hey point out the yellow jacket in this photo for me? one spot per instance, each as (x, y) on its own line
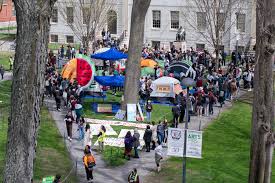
(101, 138)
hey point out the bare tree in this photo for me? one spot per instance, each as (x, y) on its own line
(131, 89)
(27, 86)
(262, 134)
(212, 20)
(89, 17)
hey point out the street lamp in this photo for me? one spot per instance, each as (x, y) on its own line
(188, 82)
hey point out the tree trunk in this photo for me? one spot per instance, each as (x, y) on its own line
(27, 87)
(131, 88)
(262, 143)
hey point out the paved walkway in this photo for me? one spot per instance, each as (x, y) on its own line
(102, 173)
(7, 76)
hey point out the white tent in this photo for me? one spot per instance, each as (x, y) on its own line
(164, 87)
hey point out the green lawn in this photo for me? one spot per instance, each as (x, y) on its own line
(7, 36)
(4, 59)
(52, 156)
(8, 28)
(226, 150)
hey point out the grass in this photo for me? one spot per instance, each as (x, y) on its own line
(7, 36)
(51, 157)
(226, 149)
(8, 28)
(4, 59)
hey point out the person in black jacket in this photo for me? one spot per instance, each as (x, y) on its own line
(176, 113)
(147, 138)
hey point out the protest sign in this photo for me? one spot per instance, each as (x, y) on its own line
(120, 114)
(194, 144)
(175, 142)
(131, 112)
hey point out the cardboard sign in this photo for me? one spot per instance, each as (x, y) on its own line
(120, 114)
(175, 142)
(131, 112)
(163, 88)
(194, 144)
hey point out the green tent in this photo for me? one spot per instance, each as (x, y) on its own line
(48, 179)
(145, 71)
(160, 63)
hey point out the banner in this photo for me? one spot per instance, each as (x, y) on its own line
(117, 142)
(95, 128)
(131, 112)
(116, 123)
(175, 142)
(194, 144)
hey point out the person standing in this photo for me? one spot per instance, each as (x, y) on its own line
(154, 135)
(176, 114)
(11, 63)
(158, 156)
(133, 176)
(160, 132)
(87, 136)
(62, 50)
(2, 71)
(101, 138)
(147, 138)
(81, 128)
(89, 163)
(136, 143)
(128, 142)
(149, 109)
(69, 124)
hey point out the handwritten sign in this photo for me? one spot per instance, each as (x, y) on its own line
(194, 144)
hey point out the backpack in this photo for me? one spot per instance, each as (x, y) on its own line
(91, 162)
(132, 177)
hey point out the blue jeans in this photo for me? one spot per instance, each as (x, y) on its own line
(160, 137)
(148, 114)
(136, 152)
(81, 132)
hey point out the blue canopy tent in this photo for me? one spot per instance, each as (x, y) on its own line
(111, 54)
(117, 81)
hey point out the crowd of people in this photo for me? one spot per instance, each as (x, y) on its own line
(215, 83)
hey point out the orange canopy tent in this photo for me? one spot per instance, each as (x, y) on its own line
(148, 63)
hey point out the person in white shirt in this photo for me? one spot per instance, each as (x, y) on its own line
(158, 156)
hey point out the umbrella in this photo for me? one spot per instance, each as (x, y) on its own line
(148, 63)
(147, 71)
(182, 67)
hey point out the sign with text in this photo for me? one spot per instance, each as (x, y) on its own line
(120, 114)
(131, 112)
(104, 108)
(175, 142)
(194, 144)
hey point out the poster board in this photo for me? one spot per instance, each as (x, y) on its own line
(140, 112)
(175, 142)
(194, 144)
(120, 114)
(104, 108)
(131, 112)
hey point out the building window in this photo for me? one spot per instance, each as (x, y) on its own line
(221, 21)
(201, 21)
(13, 10)
(240, 22)
(70, 15)
(70, 39)
(200, 47)
(55, 15)
(175, 20)
(54, 38)
(156, 19)
(156, 44)
(85, 14)
(112, 21)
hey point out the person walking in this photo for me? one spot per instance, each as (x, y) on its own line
(101, 138)
(147, 138)
(149, 109)
(128, 142)
(81, 128)
(133, 177)
(89, 163)
(87, 136)
(2, 71)
(158, 156)
(160, 132)
(136, 143)
(69, 124)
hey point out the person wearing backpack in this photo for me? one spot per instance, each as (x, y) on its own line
(128, 142)
(89, 163)
(133, 176)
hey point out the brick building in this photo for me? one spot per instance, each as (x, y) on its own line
(7, 13)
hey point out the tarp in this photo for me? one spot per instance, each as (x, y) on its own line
(110, 80)
(148, 63)
(110, 54)
(160, 63)
(147, 71)
(166, 80)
